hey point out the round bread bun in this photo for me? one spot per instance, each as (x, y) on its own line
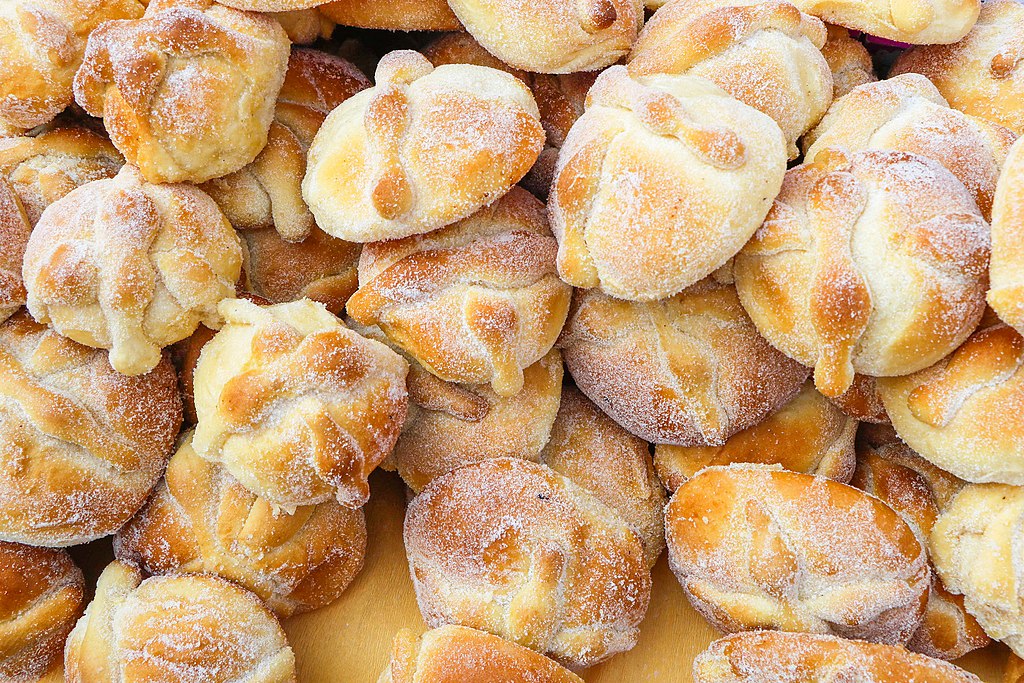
(806, 434)
(779, 657)
(267, 192)
(919, 22)
(960, 413)
(862, 401)
(487, 303)
(513, 548)
(41, 593)
(131, 266)
(874, 263)
(422, 149)
(659, 183)
(295, 405)
(565, 36)
(1006, 271)
(200, 520)
(81, 446)
(757, 547)
(175, 629)
(976, 547)
(186, 92)
(848, 60)
(305, 26)
(393, 15)
(981, 75)
(907, 113)
(14, 232)
(689, 371)
(765, 54)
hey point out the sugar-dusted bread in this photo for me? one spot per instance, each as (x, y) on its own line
(757, 547)
(976, 545)
(393, 15)
(187, 91)
(690, 370)
(305, 26)
(765, 54)
(488, 302)
(848, 59)
(862, 401)
(422, 149)
(1006, 270)
(80, 445)
(555, 36)
(960, 413)
(296, 406)
(41, 594)
(175, 629)
(982, 74)
(776, 657)
(920, 22)
(873, 262)
(659, 183)
(131, 266)
(456, 654)
(511, 547)
(806, 434)
(14, 232)
(907, 113)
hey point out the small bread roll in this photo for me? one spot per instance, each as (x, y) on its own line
(862, 401)
(175, 629)
(882, 439)
(959, 413)
(564, 36)
(872, 263)
(14, 232)
(919, 22)
(422, 149)
(393, 15)
(779, 657)
(80, 445)
(200, 520)
(981, 75)
(690, 370)
(41, 45)
(186, 92)
(41, 593)
(807, 434)
(595, 453)
(660, 182)
(757, 547)
(765, 54)
(848, 59)
(976, 547)
(511, 547)
(305, 26)
(299, 408)
(907, 113)
(1006, 271)
(130, 266)
(487, 303)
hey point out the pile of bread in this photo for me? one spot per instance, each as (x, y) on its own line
(594, 278)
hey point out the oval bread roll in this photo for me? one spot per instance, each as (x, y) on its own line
(1006, 271)
(920, 22)
(848, 59)
(393, 15)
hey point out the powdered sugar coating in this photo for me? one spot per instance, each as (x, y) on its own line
(1006, 272)
(848, 59)
(14, 232)
(919, 22)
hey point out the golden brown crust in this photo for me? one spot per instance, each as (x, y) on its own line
(862, 401)
(759, 547)
(394, 15)
(1006, 271)
(14, 232)
(305, 26)
(848, 59)
(511, 547)
(920, 22)
(1014, 670)
(80, 445)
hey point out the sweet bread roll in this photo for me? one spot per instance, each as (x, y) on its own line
(422, 149)
(757, 547)
(1014, 670)
(690, 370)
(659, 183)
(765, 54)
(14, 233)
(186, 92)
(976, 547)
(907, 113)
(131, 266)
(959, 413)
(267, 192)
(862, 401)
(883, 440)
(565, 36)
(919, 22)
(807, 434)
(393, 15)
(296, 406)
(200, 520)
(982, 74)
(41, 46)
(848, 59)
(511, 547)
(799, 657)
(1006, 271)
(80, 445)
(41, 593)
(488, 302)
(595, 453)
(455, 654)
(872, 263)
(175, 629)
(305, 26)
